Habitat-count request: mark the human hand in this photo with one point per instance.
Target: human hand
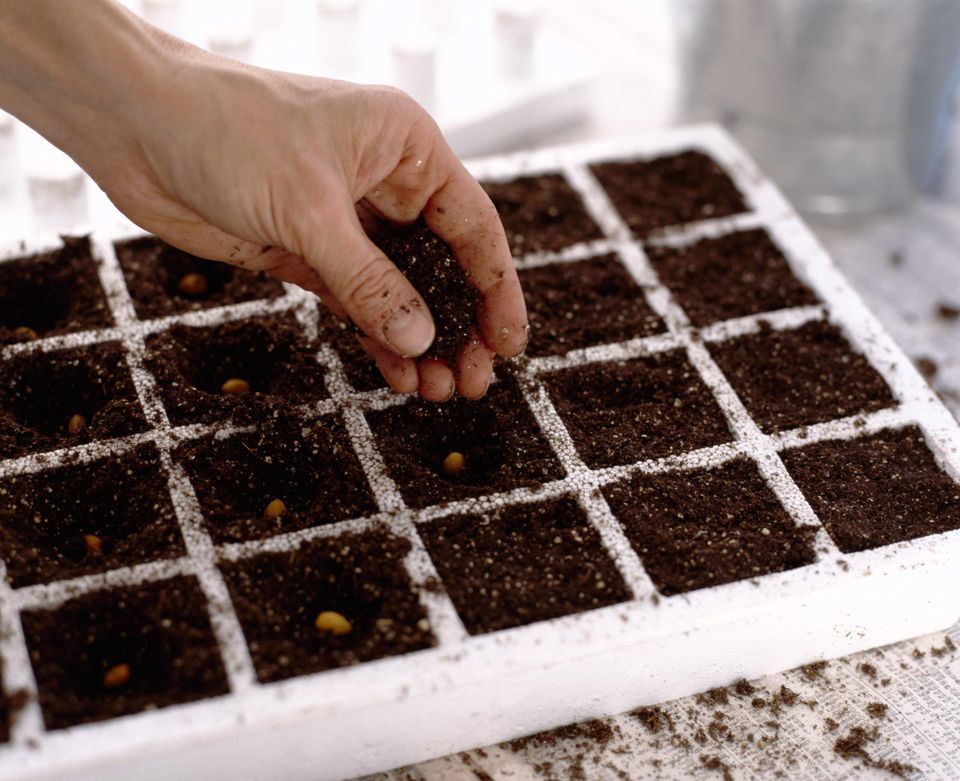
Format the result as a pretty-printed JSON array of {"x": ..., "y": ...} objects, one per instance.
[{"x": 266, "y": 170}]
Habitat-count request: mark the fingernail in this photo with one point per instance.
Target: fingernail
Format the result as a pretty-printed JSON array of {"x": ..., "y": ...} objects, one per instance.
[{"x": 409, "y": 332}]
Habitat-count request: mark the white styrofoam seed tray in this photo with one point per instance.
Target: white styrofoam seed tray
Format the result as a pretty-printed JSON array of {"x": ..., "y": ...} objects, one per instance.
[{"x": 474, "y": 690}]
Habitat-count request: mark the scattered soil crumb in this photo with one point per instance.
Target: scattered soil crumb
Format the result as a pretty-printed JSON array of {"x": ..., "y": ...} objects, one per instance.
[
  {"x": 877, "y": 709},
  {"x": 715, "y": 763},
  {"x": 947, "y": 311},
  {"x": 867, "y": 669},
  {"x": 813, "y": 672}
]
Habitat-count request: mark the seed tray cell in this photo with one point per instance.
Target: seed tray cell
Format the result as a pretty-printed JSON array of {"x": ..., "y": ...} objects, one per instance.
[{"x": 629, "y": 499}]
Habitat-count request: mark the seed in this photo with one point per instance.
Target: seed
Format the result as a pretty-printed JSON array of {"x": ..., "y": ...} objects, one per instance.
[
  {"x": 192, "y": 284},
  {"x": 454, "y": 463},
  {"x": 25, "y": 332},
  {"x": 116, "y": 676},
  {"x": 275, "y": 509},
  {"x": 76, "y": 424},
  {"x": 92, "y": 544},
  {"x": 235, "y": 387},
  {"x": 332, "y": 622}
]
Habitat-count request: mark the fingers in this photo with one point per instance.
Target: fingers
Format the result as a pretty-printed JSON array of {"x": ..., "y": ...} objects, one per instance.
[
  {"x": 373, "y": 292},
  {"x": 461, "y": 213},
  {"x": 436, "y": 380},
  {"x": 474, "y": 369},
  {"x": 400, "y": 373}
]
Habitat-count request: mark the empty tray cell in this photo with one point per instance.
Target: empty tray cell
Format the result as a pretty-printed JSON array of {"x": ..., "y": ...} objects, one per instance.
[
  {"x": 331, "y": 603},
  {"x": 708, "y": 527},
  {"x": 164, "y": 280},
  {"x": 802, "y": 376},
  {"x": 732, "y": 276},
  {"x": 360, "y": 369},
  {"x": 670, "y": 190},
  {"x": 589, "y": 302},
  {"x": 877, "y": 490},
  {"x": 52, "y": 293},
  {"x": 84, "y": 518},
  {"x": 113, "y": 653},
  {"x": 497, "y": 436},
  {"x": 620, "y": 412},
  {"x": 269, "y": 355},
  {"x": 60, "y": 399},
  {"x": 308, "y": 467},
  {"x": 522, "y": 563},
  {"x": 541, "y": 213}
]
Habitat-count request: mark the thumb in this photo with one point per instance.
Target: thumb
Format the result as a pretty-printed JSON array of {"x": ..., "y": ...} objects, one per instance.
[{"x": 375, "y": 294}]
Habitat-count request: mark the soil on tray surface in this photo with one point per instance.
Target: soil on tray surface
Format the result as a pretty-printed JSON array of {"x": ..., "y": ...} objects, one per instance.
[
  {"x": 497, "y": 435},
  {"x": 154, "y": 270},
  {"x": 160, "y": 631},
  {"x": 123, "y": 500},
  {"x": 801, "y": 376},
  {"x": 270, "y": 353},
  {"x": 51, "y": 293},
  {"x": 732, "y": 276},
  {"x": 541, "y": 213},
  {"x": 278, "y": 597},
  {"x": 668, "y": 191},
  {"x": 523, "y": 563},
  {"x": 360, "y": 369},
  {"x": 708, "y": 527},
  {"x": 309, "y": 466},
  {"x": 619, "y": 412},
  {"x": 42, "y": 391},
  {"x": 588, "y": 302},
  {"x": 433, "y": 270},
  {"x": 876, "y": 490}
]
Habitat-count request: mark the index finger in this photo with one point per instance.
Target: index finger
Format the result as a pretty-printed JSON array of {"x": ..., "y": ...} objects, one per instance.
[{"x": 462, "y": 214}]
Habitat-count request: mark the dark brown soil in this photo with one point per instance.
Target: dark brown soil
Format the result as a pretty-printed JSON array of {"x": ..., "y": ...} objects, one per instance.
[
  {"x": 309, "y": 466},
  {"x": 270, "y": 353},
  {"x": 498, "y": 436},
  {"x": 794, "y": 378},
  {"x": 153, "y": 270},
  {"x": 670, "y": 190},
  {"x": 853, "y": 746},
  {"x": 541, "y": 213},
  {"x": 708, "y": 527},
  {"x": 122, "y": 500},
  {"x": 947, "y": 311},
  {"x": 574, "y": 305},
  {"x": 161, "y": 630},
  {"x": 626, "y": 411},
  {"x": 877, "y": 490},
  {"x": 41, "y": 392},
  {"x": 521, "y": 564},
  {"x": 52, "y": 293},
  {"x": 732, "y": 276},
  {"x": 432, "y": 269},
  {"x": 361, "y": 371},
  {"x": 278, "y": 597}
]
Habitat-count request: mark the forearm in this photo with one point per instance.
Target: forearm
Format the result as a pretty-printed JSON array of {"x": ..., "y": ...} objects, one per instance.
[{"x": 80, "y": 73}]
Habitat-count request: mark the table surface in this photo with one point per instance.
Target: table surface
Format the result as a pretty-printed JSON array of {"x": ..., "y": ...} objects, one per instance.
[{"x": 905, "y": 264}]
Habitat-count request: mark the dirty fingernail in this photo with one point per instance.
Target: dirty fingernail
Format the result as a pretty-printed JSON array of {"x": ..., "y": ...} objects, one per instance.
[{"x": 409, "y": 332}]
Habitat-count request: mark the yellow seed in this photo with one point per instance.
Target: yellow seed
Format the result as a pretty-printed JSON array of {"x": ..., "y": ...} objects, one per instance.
[
  {"x": 275, "y": 509},
  {"x": 235, "y": 386},
  {"x": 454, "y": 463},
  {"x": 192, "y": 284},
  {"x": 25, "y": 332},
  {"x": 334, "y": 623},
  {"x": 76, "y": 424},
  {"x": 92, "y": 544},
  {"x": 116, "y": 676}
]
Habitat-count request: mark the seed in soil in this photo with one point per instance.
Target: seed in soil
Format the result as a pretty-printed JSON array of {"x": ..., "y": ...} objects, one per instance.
[
  {"x": 25, "y": 333},
  {"x": 116, "y": 676},
  {"x": 454, "y": 463},
  {"x": 92, "y": 544},
  {"x": 235, "y": 387},
  {"x": 332, "y": 622},
  {"x": 76, "y": 424},
  {"x": 193, "y": 284},
  {"x": 275, "y": 509}
]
